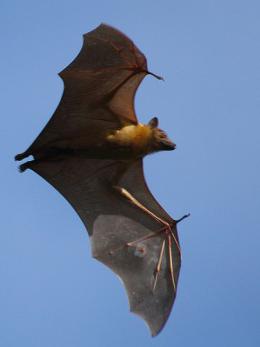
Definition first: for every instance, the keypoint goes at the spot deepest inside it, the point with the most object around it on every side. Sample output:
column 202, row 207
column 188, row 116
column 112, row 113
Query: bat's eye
column 161, row 134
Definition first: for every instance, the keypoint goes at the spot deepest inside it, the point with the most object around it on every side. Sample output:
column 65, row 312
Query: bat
column 92, row 150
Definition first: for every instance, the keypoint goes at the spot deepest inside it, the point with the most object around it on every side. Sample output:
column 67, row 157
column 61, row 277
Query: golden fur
column 137, row 136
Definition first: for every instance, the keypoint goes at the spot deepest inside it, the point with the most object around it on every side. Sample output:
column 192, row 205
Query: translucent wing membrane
column 123, row 236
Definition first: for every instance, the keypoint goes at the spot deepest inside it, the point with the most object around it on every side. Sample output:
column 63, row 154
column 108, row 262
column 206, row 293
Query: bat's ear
column 153, row 123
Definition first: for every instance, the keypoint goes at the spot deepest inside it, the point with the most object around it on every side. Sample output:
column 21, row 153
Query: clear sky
column 52, row 293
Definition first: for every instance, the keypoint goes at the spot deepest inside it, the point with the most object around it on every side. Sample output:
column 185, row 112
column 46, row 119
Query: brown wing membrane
column 130, row 232
column 100, row 85
column 113, row 222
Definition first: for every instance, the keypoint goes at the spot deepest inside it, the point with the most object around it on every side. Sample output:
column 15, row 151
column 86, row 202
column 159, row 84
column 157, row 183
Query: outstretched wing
column 113, row 222
column 99, row 89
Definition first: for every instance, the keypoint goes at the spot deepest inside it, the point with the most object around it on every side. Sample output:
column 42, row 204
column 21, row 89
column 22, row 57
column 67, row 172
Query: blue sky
column 52, row 292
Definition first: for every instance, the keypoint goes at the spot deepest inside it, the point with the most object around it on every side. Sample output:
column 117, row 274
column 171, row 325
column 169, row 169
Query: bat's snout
column 163, row 141
column 168, row 145
column 171, row 146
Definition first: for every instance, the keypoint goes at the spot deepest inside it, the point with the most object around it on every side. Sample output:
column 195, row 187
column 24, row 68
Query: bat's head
column 160, row 140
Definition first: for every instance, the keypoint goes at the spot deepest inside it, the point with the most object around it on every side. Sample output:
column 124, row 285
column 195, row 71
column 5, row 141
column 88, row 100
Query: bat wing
column 99, row 89
column 113, row 222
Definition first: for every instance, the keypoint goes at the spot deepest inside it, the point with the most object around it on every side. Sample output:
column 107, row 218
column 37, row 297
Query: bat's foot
column 25, row 166
column 29, row 164
column 21, row 156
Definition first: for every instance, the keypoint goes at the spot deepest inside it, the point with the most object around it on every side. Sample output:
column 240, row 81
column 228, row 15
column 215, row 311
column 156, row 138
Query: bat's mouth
column 168, row 146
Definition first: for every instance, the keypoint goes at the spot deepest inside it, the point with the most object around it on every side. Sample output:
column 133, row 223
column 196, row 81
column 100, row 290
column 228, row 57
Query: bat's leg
column 167, row 226
column 159, row 264
column 28, row 165
column 170, row 261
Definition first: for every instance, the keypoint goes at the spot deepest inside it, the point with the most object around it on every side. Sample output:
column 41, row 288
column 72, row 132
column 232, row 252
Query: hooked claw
column 185, row 216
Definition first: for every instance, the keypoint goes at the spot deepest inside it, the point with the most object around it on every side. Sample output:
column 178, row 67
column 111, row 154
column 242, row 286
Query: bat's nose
column 169, row 146
column 172, row 146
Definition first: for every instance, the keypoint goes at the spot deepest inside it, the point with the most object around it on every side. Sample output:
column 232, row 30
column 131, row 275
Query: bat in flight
column 92, row 150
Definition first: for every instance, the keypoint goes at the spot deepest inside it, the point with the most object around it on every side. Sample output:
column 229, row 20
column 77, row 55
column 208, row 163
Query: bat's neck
column 137, row 137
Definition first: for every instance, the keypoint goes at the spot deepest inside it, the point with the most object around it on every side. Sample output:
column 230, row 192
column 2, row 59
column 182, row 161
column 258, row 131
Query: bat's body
column 91, row 151
column 128, row 142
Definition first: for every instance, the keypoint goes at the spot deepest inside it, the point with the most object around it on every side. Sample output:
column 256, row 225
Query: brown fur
column 141, row 139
